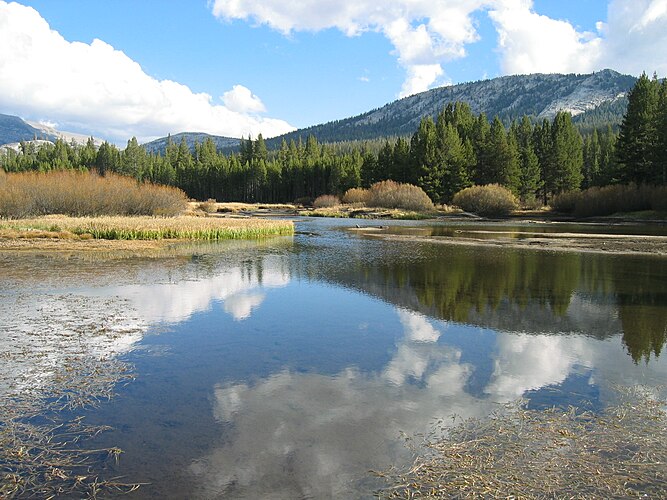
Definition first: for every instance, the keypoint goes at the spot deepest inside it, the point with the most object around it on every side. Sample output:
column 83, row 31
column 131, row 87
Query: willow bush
column 75, row 193
column 488, row 200
column 391, row 194
column 326, row 200
column 608, row 200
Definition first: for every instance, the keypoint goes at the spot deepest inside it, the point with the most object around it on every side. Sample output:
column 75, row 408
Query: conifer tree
column 637, row 135
column 660, row 147
column 567, row 155
column 529, row 166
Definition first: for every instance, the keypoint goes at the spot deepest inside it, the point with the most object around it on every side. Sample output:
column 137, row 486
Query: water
column 289, row 368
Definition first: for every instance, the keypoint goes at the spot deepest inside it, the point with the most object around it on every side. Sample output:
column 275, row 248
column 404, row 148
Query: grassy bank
column 143, row 228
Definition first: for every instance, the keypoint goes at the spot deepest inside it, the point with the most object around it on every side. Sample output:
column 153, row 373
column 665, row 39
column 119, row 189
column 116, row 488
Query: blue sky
column 239, row 67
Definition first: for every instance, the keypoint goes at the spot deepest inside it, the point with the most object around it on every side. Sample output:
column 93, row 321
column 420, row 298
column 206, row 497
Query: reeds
column 552, row 453
column 148, row 228
column 32, row 194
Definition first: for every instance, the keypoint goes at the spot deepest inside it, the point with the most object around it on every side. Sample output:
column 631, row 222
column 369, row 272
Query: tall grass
column 391, row 194
column 489, row 200
column 75, row 193
column 608, row 200
column 150, row 228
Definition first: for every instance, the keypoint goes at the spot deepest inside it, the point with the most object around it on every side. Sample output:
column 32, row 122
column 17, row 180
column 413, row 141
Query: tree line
column 458, row 149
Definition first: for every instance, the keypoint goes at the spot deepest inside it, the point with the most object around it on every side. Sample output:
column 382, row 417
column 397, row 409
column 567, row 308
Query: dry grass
column 54, row 361
column 75, row 193
column 521, row 453
column 144, row 228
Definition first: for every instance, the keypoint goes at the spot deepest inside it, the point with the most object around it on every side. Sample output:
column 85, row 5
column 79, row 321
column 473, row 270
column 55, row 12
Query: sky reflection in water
column 290, row 370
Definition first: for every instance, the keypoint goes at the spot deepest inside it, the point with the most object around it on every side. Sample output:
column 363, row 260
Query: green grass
column 149, row 228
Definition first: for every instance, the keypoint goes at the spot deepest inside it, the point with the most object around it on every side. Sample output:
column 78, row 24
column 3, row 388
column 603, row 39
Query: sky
column 123, row 68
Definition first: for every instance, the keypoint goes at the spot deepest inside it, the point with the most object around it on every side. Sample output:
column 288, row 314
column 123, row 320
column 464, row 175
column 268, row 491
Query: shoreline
column 655, row 246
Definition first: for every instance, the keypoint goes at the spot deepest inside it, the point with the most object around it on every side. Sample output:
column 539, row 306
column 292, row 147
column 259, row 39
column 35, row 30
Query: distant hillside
column 14, row 130
column 593, row 98
column 159, row 146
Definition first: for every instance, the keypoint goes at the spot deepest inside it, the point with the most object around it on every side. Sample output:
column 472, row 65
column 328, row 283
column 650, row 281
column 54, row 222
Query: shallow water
column 291, row 367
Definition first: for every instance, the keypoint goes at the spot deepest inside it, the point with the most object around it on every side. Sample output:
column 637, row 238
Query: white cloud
column 428, row 34
column 242, row 100
column 424, row 33
column 532, row 43
column 635, row 36
column 627, row 42
column 98, row 88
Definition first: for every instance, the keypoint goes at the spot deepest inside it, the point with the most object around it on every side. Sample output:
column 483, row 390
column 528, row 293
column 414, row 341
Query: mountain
column 13, row 130
column 159, row 146
column 509, row 97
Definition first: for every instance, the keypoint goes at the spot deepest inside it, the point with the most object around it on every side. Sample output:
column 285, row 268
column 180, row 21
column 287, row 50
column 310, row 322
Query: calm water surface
column 291, row 367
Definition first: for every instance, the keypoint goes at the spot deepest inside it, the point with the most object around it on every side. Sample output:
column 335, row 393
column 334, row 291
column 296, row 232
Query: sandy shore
column 561, row 242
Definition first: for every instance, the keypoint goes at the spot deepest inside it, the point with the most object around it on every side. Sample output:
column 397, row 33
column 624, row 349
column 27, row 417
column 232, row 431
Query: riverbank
column 619, row 244
column 123, row 233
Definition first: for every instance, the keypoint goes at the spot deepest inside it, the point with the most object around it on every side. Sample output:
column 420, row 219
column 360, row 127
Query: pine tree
column 660, row 146
column 637, row 135
column 567, row 155
column 401, row 161
column 423, row 151
column 529, row 166
column 481, row 131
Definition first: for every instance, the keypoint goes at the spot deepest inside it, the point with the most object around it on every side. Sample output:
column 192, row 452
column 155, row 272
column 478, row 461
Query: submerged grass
column 54, row 363
column 553, row 453
column 144, row 228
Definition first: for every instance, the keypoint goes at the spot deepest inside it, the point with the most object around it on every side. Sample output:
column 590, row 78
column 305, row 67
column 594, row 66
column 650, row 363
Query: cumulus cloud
column 424, row 33
column 427, row 35
column 634, row 36
column 533, row 43
column 529, row 42
column 101, row 90
column 242, row 100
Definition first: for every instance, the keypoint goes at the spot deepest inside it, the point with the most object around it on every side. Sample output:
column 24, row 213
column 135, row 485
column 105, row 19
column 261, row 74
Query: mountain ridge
column 538, row 95
column 595, row 98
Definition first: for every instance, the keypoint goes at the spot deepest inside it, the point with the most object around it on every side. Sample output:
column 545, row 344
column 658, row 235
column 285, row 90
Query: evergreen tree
column 401, row 161
column 660, row 146
column 637, row 135
column 481, row 131
column 567, row 155
column 529, row 166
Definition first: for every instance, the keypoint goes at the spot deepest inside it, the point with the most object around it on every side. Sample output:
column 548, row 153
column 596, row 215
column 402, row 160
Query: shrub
column 78, row 193
column 326, row 200
column 355, row 195
column 391, row 194
column 209, row 206
column 489, row 200
column 607, row 200
column 565, row 202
